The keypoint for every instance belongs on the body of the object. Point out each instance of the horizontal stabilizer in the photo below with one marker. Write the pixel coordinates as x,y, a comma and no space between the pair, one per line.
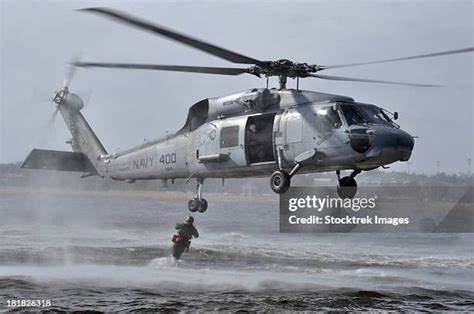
58,160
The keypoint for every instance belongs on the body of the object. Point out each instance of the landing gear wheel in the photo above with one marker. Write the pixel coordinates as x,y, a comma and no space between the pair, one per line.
347,187
280,182
203,206
194,205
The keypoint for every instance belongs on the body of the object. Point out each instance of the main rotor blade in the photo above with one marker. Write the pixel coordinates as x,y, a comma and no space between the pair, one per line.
351,79
176,68
171,34
429,55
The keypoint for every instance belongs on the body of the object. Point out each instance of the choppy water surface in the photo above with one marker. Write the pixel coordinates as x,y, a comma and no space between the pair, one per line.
111,252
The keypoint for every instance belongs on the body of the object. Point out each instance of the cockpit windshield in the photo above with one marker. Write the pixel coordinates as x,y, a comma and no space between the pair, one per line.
365,114
353,115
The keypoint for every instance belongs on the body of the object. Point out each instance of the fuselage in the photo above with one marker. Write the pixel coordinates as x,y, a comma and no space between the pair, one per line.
322,132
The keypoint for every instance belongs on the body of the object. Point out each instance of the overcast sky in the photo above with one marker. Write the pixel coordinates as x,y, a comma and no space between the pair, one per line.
39,38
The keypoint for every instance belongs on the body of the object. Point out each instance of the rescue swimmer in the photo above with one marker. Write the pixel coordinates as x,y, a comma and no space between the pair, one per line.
182,240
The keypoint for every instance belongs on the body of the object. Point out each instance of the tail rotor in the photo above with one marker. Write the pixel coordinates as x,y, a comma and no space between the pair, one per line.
59,98
63,95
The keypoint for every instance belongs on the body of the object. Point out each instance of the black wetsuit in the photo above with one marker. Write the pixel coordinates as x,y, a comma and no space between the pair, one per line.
187,231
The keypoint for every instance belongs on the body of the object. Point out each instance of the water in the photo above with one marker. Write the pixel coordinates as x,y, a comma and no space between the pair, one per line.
110,251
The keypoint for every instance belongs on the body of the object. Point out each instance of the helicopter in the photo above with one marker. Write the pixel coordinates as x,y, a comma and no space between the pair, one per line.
276,132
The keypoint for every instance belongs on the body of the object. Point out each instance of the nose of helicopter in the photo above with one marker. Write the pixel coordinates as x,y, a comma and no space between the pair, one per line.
391,145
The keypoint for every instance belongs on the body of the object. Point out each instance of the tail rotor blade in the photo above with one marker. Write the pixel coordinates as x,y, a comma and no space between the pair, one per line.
47,130
71,71
69,75
40,97
86,97
52,119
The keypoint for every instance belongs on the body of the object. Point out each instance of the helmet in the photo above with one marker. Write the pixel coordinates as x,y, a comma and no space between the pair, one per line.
189,220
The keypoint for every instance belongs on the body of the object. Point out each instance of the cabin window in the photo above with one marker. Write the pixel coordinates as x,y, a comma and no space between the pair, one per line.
230,136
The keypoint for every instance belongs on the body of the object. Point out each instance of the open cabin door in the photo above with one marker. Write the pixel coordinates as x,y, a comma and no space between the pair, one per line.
259,138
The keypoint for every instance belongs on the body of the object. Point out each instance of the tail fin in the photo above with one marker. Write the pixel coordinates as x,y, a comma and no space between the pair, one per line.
83,139
84,142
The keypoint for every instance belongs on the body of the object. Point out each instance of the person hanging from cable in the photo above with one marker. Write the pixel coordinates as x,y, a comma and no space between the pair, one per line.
182,240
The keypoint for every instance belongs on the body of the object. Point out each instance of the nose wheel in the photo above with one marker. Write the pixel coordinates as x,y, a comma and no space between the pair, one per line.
347,187
198,204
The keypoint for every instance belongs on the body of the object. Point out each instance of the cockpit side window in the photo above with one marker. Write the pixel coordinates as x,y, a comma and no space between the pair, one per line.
352,115
327,119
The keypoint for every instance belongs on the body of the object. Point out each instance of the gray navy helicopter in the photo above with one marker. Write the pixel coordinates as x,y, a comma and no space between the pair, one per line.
276,132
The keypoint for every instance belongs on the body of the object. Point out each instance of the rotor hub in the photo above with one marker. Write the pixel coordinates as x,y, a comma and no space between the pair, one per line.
60,97
284,67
